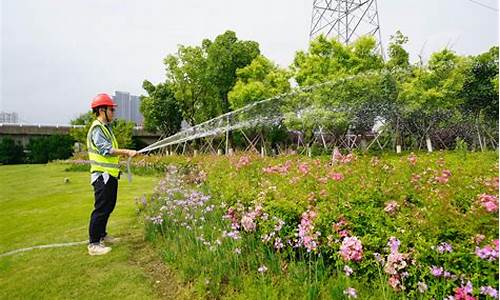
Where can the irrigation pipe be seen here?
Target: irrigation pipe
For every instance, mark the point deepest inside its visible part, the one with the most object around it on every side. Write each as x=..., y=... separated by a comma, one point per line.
x=42, y=247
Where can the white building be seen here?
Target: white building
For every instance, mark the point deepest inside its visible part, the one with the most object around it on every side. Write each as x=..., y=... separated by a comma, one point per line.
x=6, y=117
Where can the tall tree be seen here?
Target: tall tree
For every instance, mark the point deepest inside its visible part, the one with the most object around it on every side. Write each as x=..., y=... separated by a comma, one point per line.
x=225, y=55
x=480, y=89
x=160, y=109
x=398, y=56
x=328, y=59
x=259, y=80
x=437, y=85
x=187, y=75
x=202, y=76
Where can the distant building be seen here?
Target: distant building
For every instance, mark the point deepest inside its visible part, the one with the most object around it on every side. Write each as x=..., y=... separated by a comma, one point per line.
x=128, y=107
x=6, y=117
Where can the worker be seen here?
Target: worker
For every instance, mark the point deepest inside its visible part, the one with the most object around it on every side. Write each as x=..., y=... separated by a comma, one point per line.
x=103, y=154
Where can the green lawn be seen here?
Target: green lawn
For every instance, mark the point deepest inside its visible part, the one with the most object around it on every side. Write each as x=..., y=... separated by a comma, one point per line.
x=37, y=207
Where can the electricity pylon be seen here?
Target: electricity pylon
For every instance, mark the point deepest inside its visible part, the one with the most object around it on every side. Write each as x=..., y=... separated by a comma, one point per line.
x=346, y=20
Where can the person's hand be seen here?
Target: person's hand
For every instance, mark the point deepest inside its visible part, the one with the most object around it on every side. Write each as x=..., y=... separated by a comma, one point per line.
x=132, y=153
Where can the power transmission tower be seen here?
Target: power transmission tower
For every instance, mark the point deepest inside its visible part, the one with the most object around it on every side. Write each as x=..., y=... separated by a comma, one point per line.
x=346, y=20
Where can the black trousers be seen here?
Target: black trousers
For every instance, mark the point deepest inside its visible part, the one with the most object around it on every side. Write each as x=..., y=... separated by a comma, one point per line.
x=105, y=201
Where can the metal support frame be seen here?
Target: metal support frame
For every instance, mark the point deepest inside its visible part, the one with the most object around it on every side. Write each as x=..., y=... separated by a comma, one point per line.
x=346, y=20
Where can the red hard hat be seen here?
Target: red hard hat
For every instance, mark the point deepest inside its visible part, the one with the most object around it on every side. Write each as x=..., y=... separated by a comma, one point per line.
x=102, y=100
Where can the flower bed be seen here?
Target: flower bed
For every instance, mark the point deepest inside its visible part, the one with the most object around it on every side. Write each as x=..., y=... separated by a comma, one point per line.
x=422, y=226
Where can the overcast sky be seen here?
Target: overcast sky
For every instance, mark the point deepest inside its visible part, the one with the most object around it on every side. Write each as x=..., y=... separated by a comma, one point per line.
x=57, y=54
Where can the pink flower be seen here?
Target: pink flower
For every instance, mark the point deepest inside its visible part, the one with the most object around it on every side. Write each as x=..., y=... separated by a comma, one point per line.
x=248, y=222
x=395, y=260
x=304, y=168
x=464, y=292
x=351, y=249
x=279, y=169
x=415, y=178
x=307, y=237
x=244, y=160
x=323, y=180
x=412, y=159
x=391, y=207
x=336, y=155
x=350, y=293
x=262, y=269
x=445, y=175
x=232, y=215
x=348, y=158
x=336, y=176
x=394, y=282
x=489, y=202
x=478, y=238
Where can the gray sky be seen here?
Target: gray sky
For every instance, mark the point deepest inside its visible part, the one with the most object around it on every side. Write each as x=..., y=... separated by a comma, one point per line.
x=57, y=54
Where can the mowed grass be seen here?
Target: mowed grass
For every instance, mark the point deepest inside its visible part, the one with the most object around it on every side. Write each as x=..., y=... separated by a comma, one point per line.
x=37, y=207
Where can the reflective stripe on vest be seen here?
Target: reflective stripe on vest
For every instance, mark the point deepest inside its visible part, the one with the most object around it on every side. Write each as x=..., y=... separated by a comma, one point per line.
x=98, y=162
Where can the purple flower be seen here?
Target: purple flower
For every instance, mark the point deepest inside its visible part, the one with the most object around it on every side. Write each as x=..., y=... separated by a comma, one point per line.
x=157, y=220
x=444, y=247
x=489, y=291
x=278, y=244
x=351, y=293
x=487, y=253
x=393, y=244
x=348, y=271
x=437, y=271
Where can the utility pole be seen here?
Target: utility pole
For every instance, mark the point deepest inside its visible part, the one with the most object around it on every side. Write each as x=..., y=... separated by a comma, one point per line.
x=346, y=20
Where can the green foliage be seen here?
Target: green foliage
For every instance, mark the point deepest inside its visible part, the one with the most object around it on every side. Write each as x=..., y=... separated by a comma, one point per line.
x=123, y=131
x=259, y=80
x=45, y=149
x=194, y=234
x=328, y=59
x=187, y=74
x=398, y=56
x=480, y=88
x=160, y=109
x=80, y=134
x=10, y=152
x=202, y=76
x=225, y=55
x=436, y=86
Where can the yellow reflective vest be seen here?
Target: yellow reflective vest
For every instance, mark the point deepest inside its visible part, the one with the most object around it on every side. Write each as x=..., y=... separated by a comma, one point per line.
x=98, y=162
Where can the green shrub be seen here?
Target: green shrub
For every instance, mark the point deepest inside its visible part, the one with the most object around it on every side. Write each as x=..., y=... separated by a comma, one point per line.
x=10, y=152
x=45, y=149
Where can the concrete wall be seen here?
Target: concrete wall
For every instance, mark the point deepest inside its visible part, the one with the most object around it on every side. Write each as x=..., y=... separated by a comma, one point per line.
x=23, y=132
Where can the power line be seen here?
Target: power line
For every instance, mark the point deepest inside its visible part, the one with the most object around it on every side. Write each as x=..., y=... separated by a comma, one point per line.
x=483, y=5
